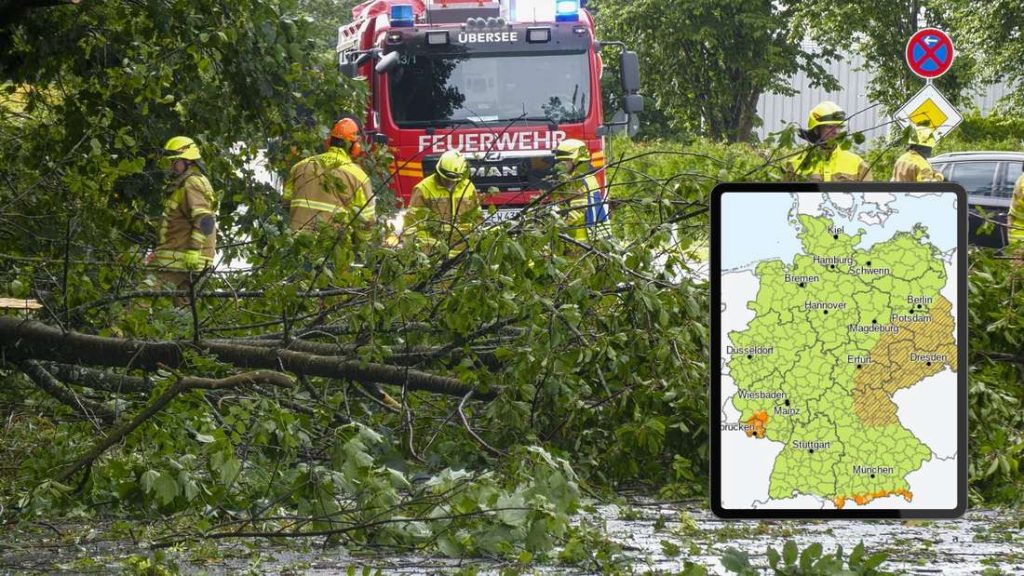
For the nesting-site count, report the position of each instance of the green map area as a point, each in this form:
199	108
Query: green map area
834	336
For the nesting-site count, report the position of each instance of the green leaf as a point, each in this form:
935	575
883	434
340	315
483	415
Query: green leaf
875	560
736	561
204	438
809	555
789	552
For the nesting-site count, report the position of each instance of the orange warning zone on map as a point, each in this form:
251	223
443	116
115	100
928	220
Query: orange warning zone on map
757	424
862	499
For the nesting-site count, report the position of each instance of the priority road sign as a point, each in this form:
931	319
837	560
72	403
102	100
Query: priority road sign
930	53
929	108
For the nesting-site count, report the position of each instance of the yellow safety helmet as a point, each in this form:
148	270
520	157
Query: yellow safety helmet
452	166
923	136
826	113
181	147
572	149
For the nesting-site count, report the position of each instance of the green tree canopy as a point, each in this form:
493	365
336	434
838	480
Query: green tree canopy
705	63
879	32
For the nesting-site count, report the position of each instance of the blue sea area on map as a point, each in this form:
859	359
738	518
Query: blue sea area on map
757	226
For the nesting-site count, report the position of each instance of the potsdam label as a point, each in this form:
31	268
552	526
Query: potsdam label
910	318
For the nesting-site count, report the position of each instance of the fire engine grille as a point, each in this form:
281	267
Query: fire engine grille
504	173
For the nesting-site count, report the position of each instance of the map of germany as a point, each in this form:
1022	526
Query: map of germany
836	332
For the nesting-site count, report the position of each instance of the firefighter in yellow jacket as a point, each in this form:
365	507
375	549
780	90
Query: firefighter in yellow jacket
578	194
330	188
444	206
187	238
913	165
825	161
1015	219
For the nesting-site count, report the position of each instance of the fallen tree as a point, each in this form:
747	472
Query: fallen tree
32	340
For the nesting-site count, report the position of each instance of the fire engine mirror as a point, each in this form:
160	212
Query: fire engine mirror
380	138
629	71
633	103
362	58
387	63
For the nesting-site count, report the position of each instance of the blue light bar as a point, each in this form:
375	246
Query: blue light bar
401	16
567	10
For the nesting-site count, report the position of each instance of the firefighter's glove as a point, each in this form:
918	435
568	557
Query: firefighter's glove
193	261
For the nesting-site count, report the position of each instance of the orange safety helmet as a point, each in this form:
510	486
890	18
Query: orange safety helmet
346	129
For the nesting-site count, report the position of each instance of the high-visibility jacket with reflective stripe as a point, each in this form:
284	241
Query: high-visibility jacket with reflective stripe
912	167
1016	217
822	165
587	216
191	199
435	214
322	186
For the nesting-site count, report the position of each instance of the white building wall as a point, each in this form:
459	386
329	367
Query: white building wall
777	110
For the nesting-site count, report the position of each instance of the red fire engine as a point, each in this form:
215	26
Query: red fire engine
501	87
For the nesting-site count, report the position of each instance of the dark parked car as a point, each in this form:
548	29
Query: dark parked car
988	178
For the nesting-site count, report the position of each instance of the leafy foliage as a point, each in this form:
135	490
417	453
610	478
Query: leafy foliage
879	33
706	63
809	562
992	29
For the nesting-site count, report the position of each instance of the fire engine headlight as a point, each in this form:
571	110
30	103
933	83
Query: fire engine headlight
437	38
567	10
538	35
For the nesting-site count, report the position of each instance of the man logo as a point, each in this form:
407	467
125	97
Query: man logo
494	171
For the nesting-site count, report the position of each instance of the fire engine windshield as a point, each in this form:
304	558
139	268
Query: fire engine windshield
439	89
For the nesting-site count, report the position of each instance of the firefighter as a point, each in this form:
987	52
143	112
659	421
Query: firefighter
330	188
825	161
444	206
1015	220
579	192
187	238
913	165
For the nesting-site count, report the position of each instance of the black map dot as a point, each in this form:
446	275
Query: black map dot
826	311
835	236
749	356
874	321
811	450
787	402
